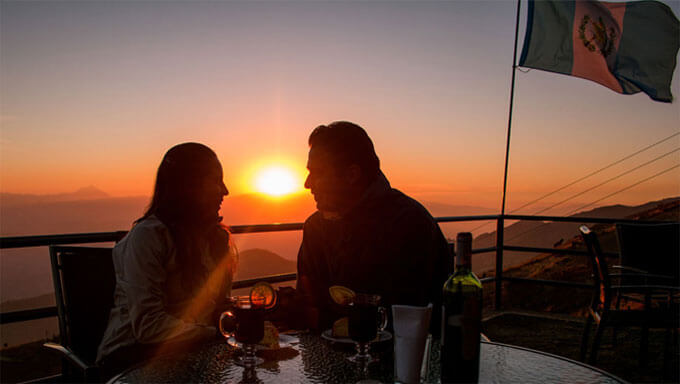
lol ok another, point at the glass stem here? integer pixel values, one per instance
(362, 349)
(249, 352)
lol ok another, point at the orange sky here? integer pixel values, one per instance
(95, 93)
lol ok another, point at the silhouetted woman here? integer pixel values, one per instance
(174, 267)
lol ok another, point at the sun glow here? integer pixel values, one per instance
(276, 181)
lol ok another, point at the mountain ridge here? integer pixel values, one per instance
(548, 234)
(89, 192)
(257, 261)
(92, 210)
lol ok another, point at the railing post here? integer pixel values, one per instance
(499, 263)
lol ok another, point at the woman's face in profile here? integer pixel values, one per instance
(210, 191)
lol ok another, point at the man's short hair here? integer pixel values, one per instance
(347, 144)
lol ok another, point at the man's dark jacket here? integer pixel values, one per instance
(388, 244)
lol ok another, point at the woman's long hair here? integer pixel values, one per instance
(176, 202)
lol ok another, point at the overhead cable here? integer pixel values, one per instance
(603, 198)
(590, 175)
(608, 180)
(597, 171)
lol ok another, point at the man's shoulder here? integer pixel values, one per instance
(314, 218)
(408, 205)
(314, 221)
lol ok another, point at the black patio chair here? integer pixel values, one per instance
(649, 253)
(660, 314)
(84, 282)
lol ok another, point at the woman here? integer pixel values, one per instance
(174, 268)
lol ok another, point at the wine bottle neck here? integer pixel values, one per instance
(464, 251)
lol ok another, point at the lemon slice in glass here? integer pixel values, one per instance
(263, 294)
(342, 295)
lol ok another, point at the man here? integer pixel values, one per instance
(365, 235)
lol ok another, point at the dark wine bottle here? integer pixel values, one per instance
(461, 318)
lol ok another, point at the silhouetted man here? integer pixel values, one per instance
(365, 235)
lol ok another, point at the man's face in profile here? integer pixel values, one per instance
(326, 182)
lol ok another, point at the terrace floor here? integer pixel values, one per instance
(561, 335)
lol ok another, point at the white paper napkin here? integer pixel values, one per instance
(411, 325)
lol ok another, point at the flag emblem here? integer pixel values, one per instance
(596, 36)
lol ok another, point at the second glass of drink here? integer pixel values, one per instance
(365, 320)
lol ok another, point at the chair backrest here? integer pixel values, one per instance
(654, 248)
(84, 282)
(602, 284)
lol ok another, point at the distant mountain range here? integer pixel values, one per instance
(90, 209)
(25, 275)
(85, 193)
(26, 272)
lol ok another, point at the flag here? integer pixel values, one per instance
(627, 47)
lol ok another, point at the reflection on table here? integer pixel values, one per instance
(312, 359)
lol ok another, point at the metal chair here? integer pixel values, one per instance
(649, 253)
(604, 313)
(84, 282)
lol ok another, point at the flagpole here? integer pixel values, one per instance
(499, 225)
(512, 98)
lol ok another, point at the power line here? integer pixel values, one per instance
(608, 180)
(598, 171)
(587, 176)
(598, 200)
(627, 188)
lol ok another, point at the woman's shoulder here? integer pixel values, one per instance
(149, 223)
(147, 232)
(150, 226)
(145, 249)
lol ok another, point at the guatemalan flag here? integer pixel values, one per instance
(628, 47)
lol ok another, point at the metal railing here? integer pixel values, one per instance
(498, 278)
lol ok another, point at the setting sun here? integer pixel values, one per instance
(276, 181)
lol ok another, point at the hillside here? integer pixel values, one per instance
(260, 262)
(571, 267)
(549, 234)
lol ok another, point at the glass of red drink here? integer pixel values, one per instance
(248, 315)
(366, 318)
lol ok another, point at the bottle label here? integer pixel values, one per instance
(471, 327)
(460, 338)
